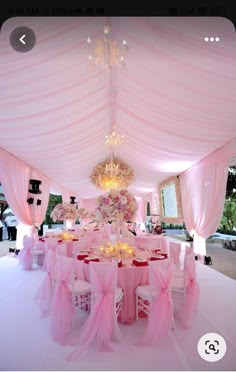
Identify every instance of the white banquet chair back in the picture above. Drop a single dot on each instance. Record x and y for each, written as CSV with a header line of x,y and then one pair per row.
x,y
101,328
38,253
189,293
175,249
80,289
158,295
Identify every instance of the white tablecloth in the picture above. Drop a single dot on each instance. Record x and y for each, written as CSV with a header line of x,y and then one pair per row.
x,y
152,242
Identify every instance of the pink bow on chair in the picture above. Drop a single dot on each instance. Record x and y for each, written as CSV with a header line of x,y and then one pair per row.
x,y
25,255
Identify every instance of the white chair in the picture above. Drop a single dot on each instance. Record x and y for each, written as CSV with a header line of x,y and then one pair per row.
x,y
79,287
185,292
155,301
101,328
175,249
38,253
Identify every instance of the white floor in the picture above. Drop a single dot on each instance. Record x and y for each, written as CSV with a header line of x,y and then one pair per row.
x,y
25,342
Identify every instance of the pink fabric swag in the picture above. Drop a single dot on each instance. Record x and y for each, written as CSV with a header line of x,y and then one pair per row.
x,y
161,306
25,255
192,292
44,294
101,327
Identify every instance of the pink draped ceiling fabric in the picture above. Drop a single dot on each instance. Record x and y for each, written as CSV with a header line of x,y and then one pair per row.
x,y
174,104
174,100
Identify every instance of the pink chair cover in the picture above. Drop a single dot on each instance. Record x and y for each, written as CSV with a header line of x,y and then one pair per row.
x,y
101,327
40,245
192,293
25,255
175,249
44,294
161,307
84,243
51,243
79,270
62,309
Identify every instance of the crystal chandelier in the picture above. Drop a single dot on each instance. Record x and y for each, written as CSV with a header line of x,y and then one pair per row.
x,y
112,173
106,52
114,138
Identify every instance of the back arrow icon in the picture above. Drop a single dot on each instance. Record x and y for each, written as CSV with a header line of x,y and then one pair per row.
x,y
21,39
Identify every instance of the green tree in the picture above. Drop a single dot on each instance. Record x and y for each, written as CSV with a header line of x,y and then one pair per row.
x,y
228,221
52,202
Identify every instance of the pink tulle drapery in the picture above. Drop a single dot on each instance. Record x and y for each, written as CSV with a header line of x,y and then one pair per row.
x,y
187,312
203,190
161,306
25,255
101,327
44,293
62,308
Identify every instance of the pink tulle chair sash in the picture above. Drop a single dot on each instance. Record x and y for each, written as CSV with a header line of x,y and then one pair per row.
x,y
161,306
25,255
101,327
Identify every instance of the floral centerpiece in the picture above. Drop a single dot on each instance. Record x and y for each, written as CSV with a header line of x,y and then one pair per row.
x,y
120,206
83,213
64,211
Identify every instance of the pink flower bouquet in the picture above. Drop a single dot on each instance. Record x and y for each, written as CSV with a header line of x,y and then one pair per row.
x,y
64,211
116,205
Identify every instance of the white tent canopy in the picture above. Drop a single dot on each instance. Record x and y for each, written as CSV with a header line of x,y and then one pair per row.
x,y
175,99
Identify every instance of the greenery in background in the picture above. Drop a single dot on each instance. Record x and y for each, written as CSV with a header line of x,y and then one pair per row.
x,y
52,202
228,221
172,226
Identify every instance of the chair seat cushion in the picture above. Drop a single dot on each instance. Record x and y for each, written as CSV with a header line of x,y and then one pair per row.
x,y
38,252
146,292
178,282
80,287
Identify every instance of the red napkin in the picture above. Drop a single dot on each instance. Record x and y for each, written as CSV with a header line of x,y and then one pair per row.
x,y
140,263
91,259
60,241
81,256
119,262
75,240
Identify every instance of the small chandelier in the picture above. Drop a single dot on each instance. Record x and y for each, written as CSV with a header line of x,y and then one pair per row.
x,y
106,52
114,138
113,173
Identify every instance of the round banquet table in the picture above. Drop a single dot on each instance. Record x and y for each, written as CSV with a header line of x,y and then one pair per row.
x,y
129,278
152,242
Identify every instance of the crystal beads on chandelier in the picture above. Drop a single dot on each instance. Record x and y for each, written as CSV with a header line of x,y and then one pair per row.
x,y
114,138
106,52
